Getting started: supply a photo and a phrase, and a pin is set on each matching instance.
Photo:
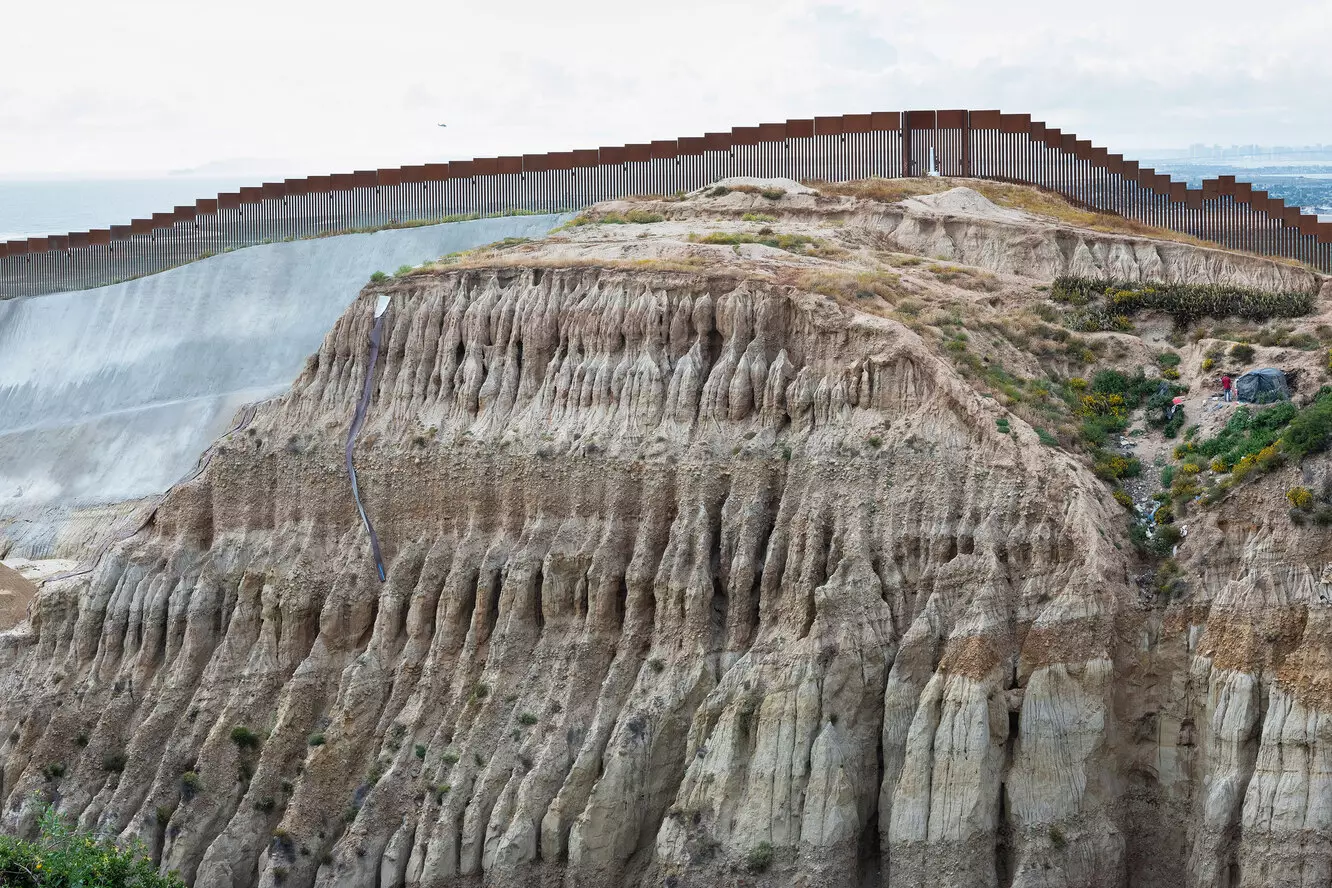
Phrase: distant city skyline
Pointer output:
(1198, 151)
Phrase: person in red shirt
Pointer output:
(1225, 385)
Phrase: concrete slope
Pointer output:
(110, 395)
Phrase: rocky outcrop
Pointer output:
(695, 577)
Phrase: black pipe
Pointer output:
(358, 420)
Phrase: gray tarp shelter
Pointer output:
(1262, 386)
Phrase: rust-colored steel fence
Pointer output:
(981, 144)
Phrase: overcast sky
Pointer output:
(296, 88)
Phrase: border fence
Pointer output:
(980, 144)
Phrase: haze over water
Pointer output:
(34, 208)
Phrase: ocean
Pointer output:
(38, 207)
(35, 208)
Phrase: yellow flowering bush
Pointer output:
(1300, 497)
(64, 856)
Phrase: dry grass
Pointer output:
(1040, 202)
(853, 287)
(885, 190)
(966, 278)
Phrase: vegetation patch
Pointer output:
(1112, 395)
(633, 217)
(966, 278)
(850, 286)
(244, 738)
(800, 244)
(1244, 434)
(1103, 304)
(759, 858)
(769, 193)
(64, 856)
(1254, 442)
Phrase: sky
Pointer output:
(275, 87)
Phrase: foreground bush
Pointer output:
(63, 857)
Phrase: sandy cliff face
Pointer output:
(695, 577)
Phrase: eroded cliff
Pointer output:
(708, 563)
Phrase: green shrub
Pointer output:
(1246, 433)
(378, 277)
(316, 739)
(527, 718)
(420, 750)
(1172, 424)
(759, 858)
(450, 759)
(244, 738)
(54, 771)
(757, 217)
(1113, 467)
(1310, 429)
(1057, 837)
(1046, 438)
(190, 783)
(114, 761)
(64, 856)
(1241, 353)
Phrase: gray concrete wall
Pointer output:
(111, 394)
